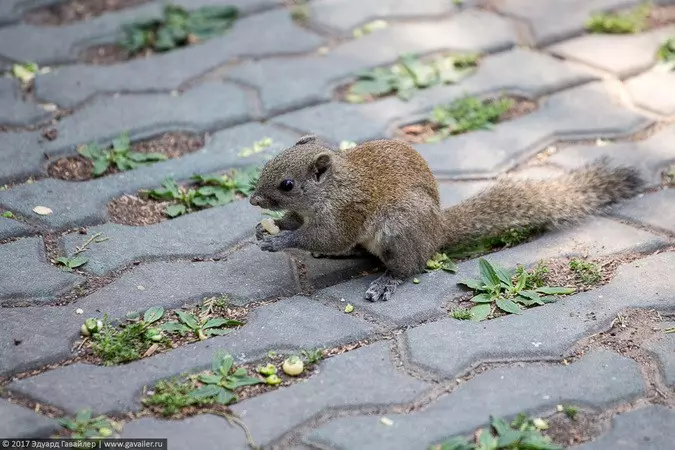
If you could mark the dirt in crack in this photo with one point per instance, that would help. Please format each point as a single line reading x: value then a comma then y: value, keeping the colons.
x: 465, y: 115
x: 170, y: 145
x: 67, y: 12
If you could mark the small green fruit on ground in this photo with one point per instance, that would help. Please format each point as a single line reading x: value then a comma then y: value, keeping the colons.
x: 269, y: 369
x: 293, y: 366
x: 273, y: 380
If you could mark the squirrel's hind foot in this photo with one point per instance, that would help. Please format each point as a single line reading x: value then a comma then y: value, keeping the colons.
x: 383, y: 288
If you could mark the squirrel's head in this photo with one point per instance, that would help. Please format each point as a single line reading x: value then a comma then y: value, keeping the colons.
x: 295, y: 179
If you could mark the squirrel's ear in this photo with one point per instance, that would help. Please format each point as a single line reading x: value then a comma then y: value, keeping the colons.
x: 306, y: 139
x: 322, y: 162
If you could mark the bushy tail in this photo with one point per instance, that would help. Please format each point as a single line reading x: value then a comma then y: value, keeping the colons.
x: 541, y: 203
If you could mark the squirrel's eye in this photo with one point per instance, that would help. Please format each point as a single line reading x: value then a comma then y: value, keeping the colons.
x: 286, y: 185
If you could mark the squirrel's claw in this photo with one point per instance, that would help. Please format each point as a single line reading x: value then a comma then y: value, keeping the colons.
x: 383, y: 288
x: 259, y: 231
x: 278, y: 242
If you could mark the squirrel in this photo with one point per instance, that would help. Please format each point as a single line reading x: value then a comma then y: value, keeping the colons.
x: 382, y: 196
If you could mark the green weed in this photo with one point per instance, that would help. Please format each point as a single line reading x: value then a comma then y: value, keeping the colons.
x: 467, y: 114
x: 119, y: 156
x: 84, y: 426
x: 461, y: 314
x: 626, y: 22
x: 586, y: 271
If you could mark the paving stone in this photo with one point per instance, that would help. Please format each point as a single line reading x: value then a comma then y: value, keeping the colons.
x: 622, y: 55
x: 345, y: 15
x: 192, y: 235
x: 647, y: 91
x: 206, y: 107
x: 81, y: 385
x: 26, y: 274
x: 83, y: 203
x: 15, y: 111
x: 245, y: 276
x: 557, y: 20
x: 663, y: 346
x: 63, y: 44
x: 12, y: 10
x: 654, y: 209
x: 413, y: 303
x: 647, y: 428
x: 311, y: 79
x: 600, y: 379
x: 583, y: 112
x: 650, y: 156
x: 13, y: 228
x: 22, y: 423
x: 540, y: 75
x: 539, y: 333
x: 343, y: 381
x: 271, y: 33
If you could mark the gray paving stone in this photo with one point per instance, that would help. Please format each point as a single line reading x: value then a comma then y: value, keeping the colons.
x: 13, y: 228
x: 336, y: 121
x: 206, y: 107
x: 622, y: 55
x: 63, y: 44
x: 583, y: 112
x: 270, y: 33
x: 311, y: 79
x: 650, y: 156
x: 245, y: 276
x: 343, y: 381
x: 663, y: 346
x: 648, y: 428
x: 200, y: 233
x: 83, y: 203
x: 600, y: 379
x: 343, y: 16
x: 558, y: 19
x: 539, y: 333
x: 22, y: 423
x: 282, y: 325
x: 12, y: 10
x: 654, y: 209
x: 25, y: 273
x: 647, y: 89
x: 413, y: 303
x: 14, y: 110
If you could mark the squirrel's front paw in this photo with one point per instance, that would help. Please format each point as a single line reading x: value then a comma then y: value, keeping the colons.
x: 277, y: 242
x: 260, y: 231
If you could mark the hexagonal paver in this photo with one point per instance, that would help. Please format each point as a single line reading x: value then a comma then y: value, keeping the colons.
x: 622, y: 55
x: 414, y: 303
x: 16, y: 111
x: 599, y: 379
x: 653, y: 209
x: 25, y: 273
x: 343, y: 381
x: 335, y: 121
x: 663, y: 346
x: 556, y: 20
x: 84, y: 203
x: 245, y: 276
x: 271, y: 33
x: 209, y: 106
x: 647, y: 428
x: 650, y: 156
x: 647, y: 90
x: 10, y: 228
x: 539, y: 333
x: 311, y: 79
x: 76, y: 386
x: 21, y: 423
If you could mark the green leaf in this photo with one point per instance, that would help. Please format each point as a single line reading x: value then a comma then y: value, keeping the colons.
x: 83, y: 415
x: 172, y: 327
x: 549, y: 290
x: 90, y: 151
x: 508, y: 437
x: 208, y: 391
x: 503, y: 275
x: 217, y: 322
x: 508, y: 306
x: 100, y: 166
x: 480, y: 312
x: 449, y: 266
x: 487, y: 441
x: 210, y: 379
x: 175, y: 210
x: 482, y: 298
x: 371, y: 87
x: 475, y: 285
x: 500, y: 425
x: 77, y: 262
x: 164, y: 40
x: 153, y: 314
x: 122, y: 143
x: 225, y: 397
x: 233, y: 382
x: 487, y: 273
x: 217, y: 331
x: 188, y: 319
x: 222, y: 362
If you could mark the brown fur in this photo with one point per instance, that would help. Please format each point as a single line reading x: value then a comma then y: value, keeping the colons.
x: 382, y: 196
